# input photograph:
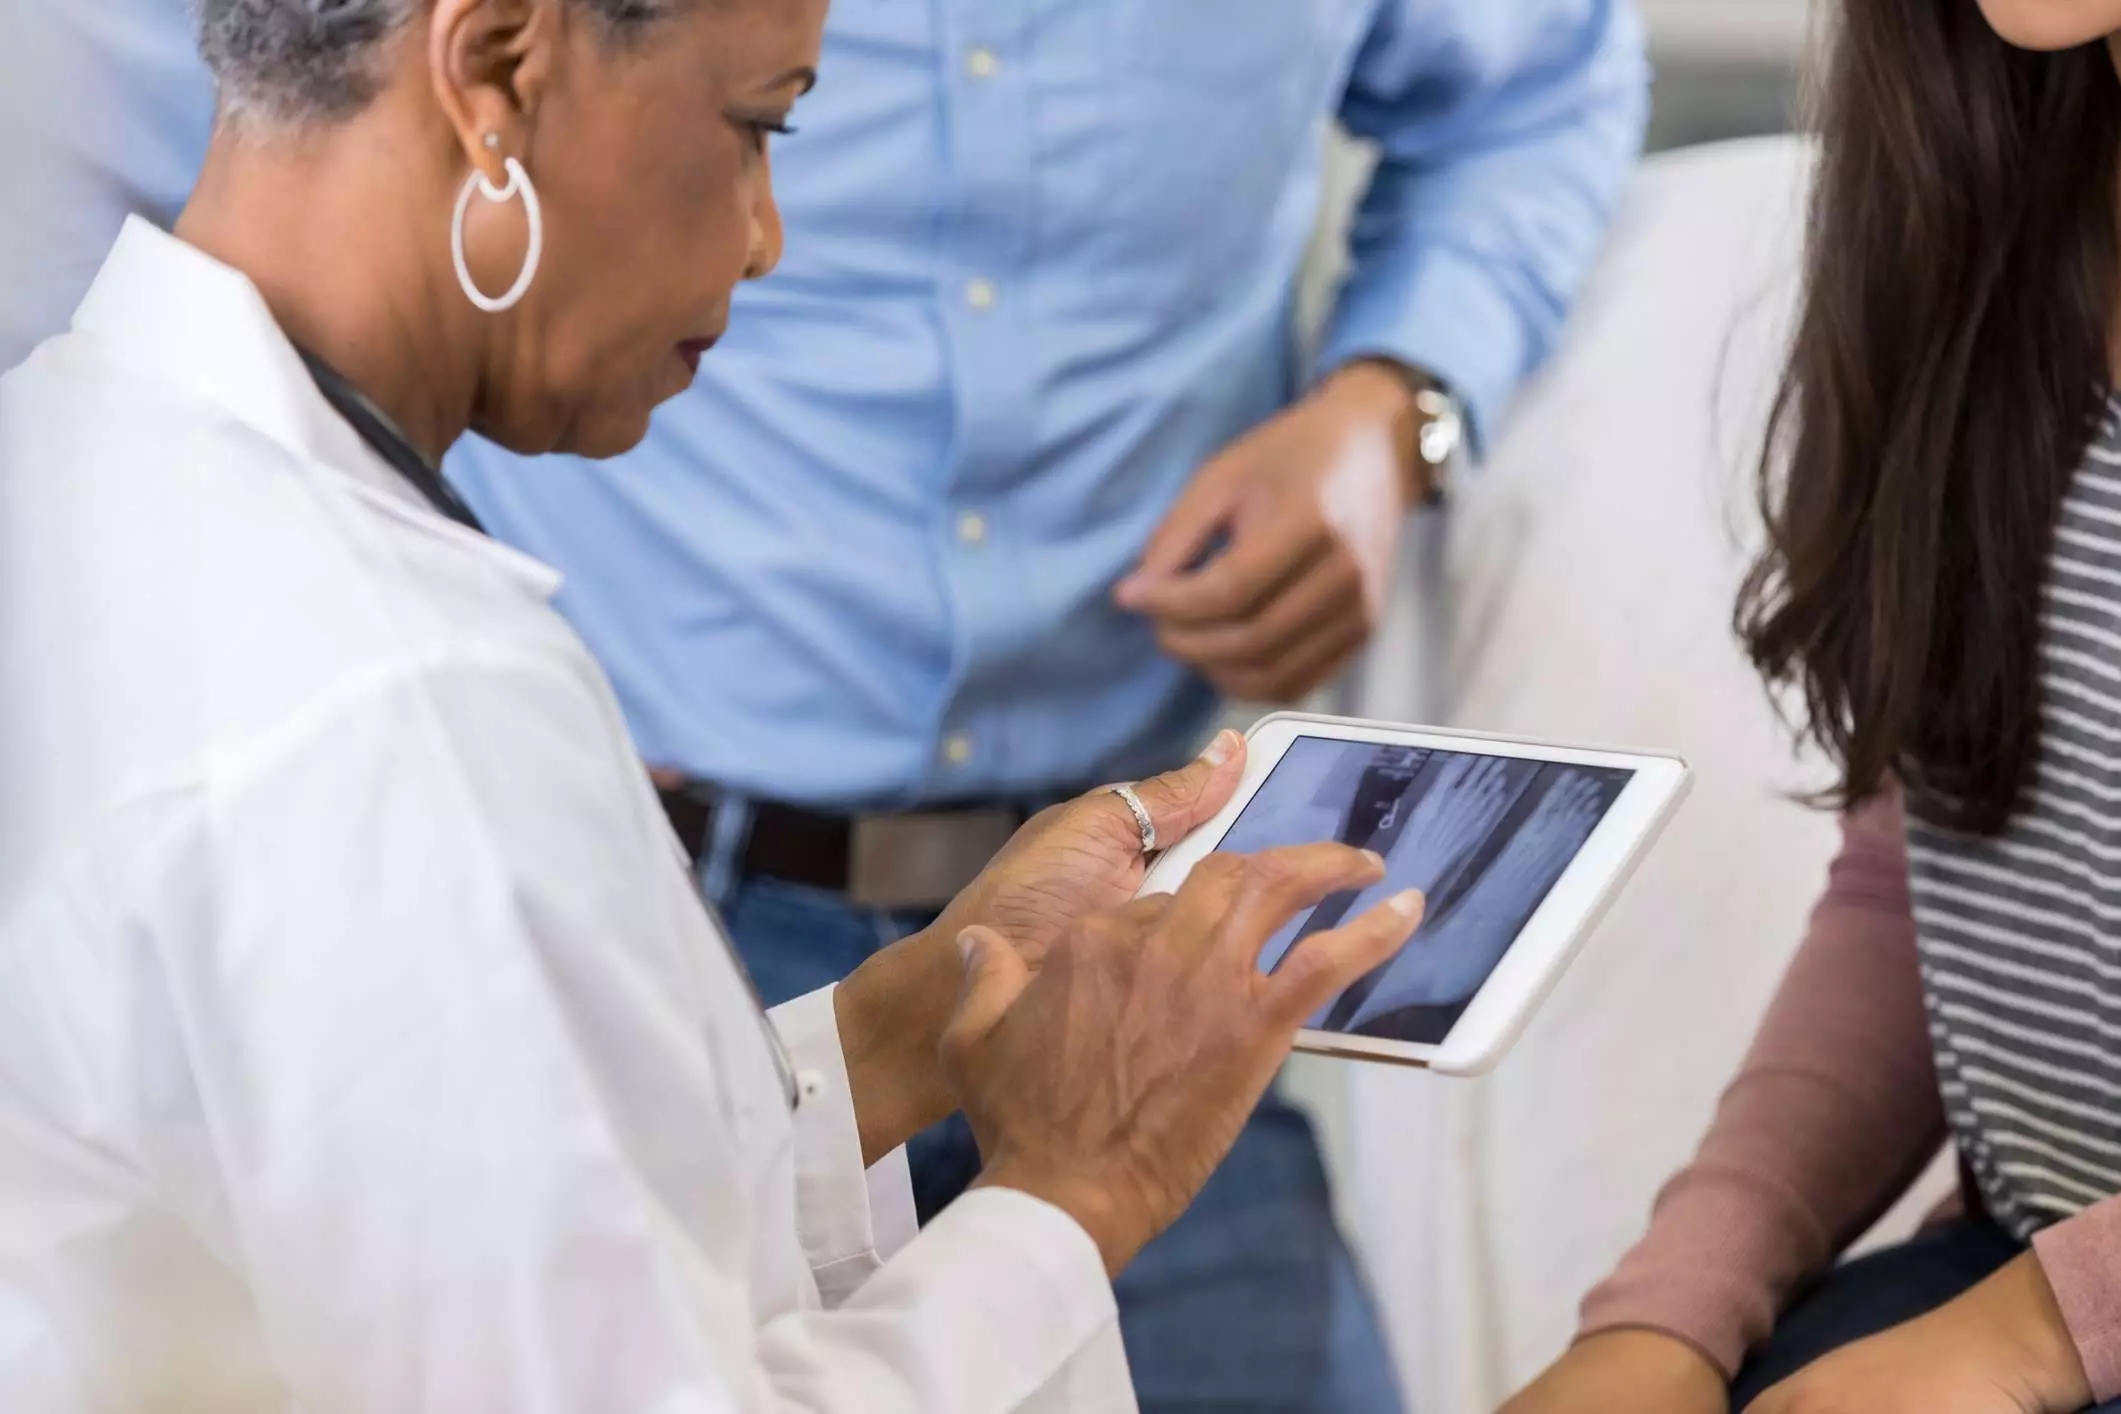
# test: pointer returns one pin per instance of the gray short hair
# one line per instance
(290, 62)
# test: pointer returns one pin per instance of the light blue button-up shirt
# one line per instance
(1039, 268)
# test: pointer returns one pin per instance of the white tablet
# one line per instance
(1518, 846)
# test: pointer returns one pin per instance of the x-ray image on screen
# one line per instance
(1483, 837)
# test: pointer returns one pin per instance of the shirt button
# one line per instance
(957, 750)
(980, 294)
(972, 527)
(981, 63)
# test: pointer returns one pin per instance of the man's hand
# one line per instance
(1310, 505)
(1626, 1372)
(1073, 860)
(2000, 1349)
(1113, 1081)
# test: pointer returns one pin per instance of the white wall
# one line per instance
(1726, 30)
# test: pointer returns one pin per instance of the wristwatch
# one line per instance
(1431, 439)
(1440, 430)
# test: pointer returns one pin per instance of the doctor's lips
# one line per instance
(693, 350)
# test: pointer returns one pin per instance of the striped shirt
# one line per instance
(2020, 934)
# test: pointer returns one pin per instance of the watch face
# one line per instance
(1442, 429)
(1438, 441)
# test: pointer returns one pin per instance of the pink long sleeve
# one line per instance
(1833, 1114)
(2082, 1259)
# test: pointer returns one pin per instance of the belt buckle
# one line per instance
(922, 860)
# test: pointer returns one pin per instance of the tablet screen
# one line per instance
(1483, 837)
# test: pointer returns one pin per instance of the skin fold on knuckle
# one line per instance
(1299, 975)
(1147, 912)
(1374, 948)
(1186, 789)
(1105, 824)
(1268, 656)
(1084, 814)
(1072, 856)
(1348, 633)
(1307, 626)
(1284, 888)
(1358, 949)
(1107, 933)
(1298, 621)
(1270, 875)
(1215, 873)
(1027, 914)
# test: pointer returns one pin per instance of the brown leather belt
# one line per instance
(915, 860)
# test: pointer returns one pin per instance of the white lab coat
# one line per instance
(363, 1044)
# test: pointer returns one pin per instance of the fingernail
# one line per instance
(1222, 748)
(1407, 904)
(966, 946)
(1374, 857)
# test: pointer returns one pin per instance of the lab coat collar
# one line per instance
(172, 313)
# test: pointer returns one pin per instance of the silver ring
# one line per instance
(1141, 817)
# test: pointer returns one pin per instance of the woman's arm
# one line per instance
(1834, 1112)
(499, 1128)
(2001, 1348)
(2045, 1331)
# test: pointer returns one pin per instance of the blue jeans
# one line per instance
(1875, 1293)
(1250, 1304)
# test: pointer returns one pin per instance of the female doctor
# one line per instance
(363, 1043)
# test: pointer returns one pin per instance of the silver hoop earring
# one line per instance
(518, 185)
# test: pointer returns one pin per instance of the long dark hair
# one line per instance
(1948, 371)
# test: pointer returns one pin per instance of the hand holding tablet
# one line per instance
(1518, 846)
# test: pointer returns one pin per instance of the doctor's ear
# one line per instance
(490, 62)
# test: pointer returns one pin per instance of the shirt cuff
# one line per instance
(1708, 1272)
(1019, 1281)
(1439, 310)
(849, 1220)
(2082, 1259)
(892, 1220)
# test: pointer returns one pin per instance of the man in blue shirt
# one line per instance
(1012, 471)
